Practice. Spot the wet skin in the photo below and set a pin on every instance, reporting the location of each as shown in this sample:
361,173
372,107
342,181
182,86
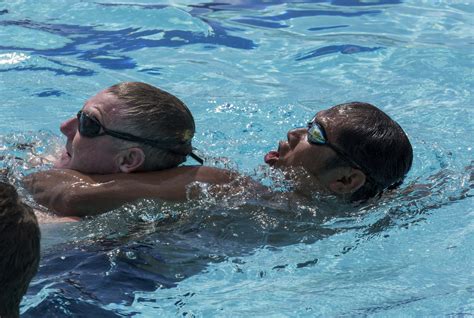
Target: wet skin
302,162
296,152
92,155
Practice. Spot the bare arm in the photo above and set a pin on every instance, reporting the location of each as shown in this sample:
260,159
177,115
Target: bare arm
71,193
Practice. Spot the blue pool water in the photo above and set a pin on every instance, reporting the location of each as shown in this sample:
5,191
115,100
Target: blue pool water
249,71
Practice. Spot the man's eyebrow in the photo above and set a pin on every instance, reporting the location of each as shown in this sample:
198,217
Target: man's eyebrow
93,110
95,106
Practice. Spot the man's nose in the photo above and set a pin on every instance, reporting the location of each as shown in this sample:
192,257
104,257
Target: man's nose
69,127
295,136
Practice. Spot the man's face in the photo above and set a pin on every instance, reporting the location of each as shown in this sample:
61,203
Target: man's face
92,155
297,152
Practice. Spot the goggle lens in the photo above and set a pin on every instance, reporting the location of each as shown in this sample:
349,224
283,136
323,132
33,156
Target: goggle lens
88,127
316,134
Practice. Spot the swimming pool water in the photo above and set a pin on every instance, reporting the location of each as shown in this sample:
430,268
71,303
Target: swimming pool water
249,71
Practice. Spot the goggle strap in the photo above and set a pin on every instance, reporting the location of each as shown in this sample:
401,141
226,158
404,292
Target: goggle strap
133,138
197,158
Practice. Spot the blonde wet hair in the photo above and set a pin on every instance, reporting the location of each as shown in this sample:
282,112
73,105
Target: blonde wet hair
155,114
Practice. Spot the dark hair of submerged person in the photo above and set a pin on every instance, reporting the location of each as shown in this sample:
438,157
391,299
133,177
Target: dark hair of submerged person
370,137
158,115
19,250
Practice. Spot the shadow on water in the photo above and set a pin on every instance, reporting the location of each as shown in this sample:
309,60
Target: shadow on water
145,256
155,245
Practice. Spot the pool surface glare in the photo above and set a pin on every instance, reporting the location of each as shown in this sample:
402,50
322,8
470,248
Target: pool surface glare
250,71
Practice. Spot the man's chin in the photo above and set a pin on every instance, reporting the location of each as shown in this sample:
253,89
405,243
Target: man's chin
271,158
63,162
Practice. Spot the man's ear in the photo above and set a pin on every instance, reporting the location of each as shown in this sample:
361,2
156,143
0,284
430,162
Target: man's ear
130,159
348,182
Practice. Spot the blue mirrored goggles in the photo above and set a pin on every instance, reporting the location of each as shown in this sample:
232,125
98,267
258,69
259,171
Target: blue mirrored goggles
91,127
317,136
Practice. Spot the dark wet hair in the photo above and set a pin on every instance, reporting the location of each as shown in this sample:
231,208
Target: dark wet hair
155,114
19,249
375,141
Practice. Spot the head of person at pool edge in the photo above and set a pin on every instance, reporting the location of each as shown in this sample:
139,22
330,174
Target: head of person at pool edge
19,249
128,127
353,150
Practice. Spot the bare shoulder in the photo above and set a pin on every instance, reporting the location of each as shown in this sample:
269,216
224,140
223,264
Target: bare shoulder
215,175
184,173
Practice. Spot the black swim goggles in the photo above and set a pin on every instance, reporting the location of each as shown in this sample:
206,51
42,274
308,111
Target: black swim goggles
90,127
317,136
